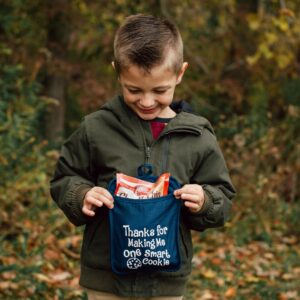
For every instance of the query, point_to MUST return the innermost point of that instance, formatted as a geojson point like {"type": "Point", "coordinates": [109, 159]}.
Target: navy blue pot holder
{"type": "Point", "coordinates": [144, 234]}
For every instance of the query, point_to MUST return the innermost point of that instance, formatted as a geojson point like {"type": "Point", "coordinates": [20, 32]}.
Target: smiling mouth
{"type": "Point", "coordinates": [147, 111]}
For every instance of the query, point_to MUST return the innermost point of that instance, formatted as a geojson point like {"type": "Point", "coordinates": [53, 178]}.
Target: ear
{"type": "Point", "coordinates": [181, 72]}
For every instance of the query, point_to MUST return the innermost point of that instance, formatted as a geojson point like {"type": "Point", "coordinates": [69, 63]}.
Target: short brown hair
{"type": "Point", "coordinates": [145, 41]}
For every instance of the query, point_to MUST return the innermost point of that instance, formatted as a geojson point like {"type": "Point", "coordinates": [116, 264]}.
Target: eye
{"type": "Point", "coordinates": [159, 91]}
{"type": "Point", "coordinates": [133, 91]}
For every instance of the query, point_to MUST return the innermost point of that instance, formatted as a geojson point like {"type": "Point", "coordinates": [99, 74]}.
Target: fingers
{"type": "Point", "coordinates": [103, 191]}
{"type": "Point", "coordinates": [191, 192]}
{"type": "Point", "coordinates": [193, 196]}
{"type": "Point", "coordinates": [190, 197]}
{"type": "Point", "coordinates": [96, 197]}
{"type": "Point", "coordinates": [88, 211]}
{"type": "Point", "coordinates": [195, 207]}
{"type": "Point", "coordinates": [100, 196]}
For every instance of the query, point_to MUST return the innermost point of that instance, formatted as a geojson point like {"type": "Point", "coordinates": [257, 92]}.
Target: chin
{"type": "Point", "coordinates": [147, 117]}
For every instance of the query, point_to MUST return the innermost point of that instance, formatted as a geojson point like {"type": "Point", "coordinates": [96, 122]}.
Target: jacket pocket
{"type": "Point", "coordinates": [95, 247]}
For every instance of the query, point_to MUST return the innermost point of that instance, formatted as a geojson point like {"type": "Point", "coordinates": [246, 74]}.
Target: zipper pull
{"type": "Point", "coordinates": [148, 153]}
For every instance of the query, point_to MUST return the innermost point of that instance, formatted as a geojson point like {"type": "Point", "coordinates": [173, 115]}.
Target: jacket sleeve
{"type": "Point", "coordinates": [72, 178]}
{"type": "Point", "coordinates": [212, 174]}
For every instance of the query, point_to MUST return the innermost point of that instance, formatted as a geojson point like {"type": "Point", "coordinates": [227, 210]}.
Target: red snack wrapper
{"type": "Point", "coordinates": [134, 188]}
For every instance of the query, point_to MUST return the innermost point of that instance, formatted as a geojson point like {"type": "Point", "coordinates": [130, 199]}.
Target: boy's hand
{"type": "Point", "coordinates": [96, 197]}
{"type": "Point", "coordinates": [192, 195]}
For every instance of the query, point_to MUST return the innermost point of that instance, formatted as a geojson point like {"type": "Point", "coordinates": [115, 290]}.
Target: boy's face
{"type": "Point", "coordinates": [150, 94]}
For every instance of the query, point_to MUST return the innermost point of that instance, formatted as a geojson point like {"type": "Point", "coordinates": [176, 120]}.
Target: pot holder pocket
{"type": "Point", "coordinates": [144, 234]}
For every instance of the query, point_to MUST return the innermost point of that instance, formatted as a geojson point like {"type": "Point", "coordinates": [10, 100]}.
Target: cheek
{"type": "Point", "coordinates": [129, 98]}
{"type": "Point", "coordinates": [167, 98]}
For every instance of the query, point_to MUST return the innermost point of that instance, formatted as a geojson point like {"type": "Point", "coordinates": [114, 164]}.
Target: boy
{"type": "Point", "coordinates": [141, 126]}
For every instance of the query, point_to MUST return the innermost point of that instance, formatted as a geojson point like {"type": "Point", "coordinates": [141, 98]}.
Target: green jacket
{"type": "Point", "coordinates": [114, 139]}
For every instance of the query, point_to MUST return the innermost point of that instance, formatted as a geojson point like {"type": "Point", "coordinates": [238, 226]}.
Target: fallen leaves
{"type": "Point", "coordinates": [207, 295]}
{"type": "Point", "coordinates": [9, 275]}
{"type": "Point", "coordinates": [289, 295]}
{"type": "Point", "coordinates": [208, 273]}
{"type": "Point", "coordinates": [55, 277]}
{"type": "Point", "coordinates": [4, 285]}
{"type": "Point", "coordinates": [256, 270]}
{"type": "Point", "coordinates": [251, 278]}
{"type": "Point", "coordinates": [230, 292]}
{"type": "Point", "coordinates": [38, 260]}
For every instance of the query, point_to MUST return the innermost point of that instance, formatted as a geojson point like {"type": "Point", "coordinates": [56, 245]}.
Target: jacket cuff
{"type": "Point", "coordinates": [77, 217]}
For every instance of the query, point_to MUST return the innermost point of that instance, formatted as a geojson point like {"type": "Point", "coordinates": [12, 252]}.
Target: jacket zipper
{"type": "Point", "coordinates": [167, 133]}
{"type": "Point", "coordinates": [148, 153]}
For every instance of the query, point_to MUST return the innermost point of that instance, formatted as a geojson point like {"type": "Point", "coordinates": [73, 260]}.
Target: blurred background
{"type": "Point", "coordinates": [243, 75]}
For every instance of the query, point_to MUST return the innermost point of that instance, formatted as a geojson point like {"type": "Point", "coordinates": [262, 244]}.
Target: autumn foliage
{"type": "Point", "coordinates": [243, 75]}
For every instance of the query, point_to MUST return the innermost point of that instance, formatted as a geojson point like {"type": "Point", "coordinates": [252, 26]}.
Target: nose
{"type": "Point", "coordinates": [147, 101]}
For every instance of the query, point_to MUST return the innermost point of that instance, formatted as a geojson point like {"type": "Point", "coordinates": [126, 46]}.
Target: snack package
{"type": "Point", "coordinates": [134, 188]}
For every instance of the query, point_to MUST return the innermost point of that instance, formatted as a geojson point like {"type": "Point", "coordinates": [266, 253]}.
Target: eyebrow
{"type": "Point", "coordinates": [155, 88]}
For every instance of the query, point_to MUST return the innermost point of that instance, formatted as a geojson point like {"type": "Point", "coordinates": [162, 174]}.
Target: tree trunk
{"type": "Point", "coordinates": [55, 117]}
{"type": "Point", "coordinates": [56, 80]}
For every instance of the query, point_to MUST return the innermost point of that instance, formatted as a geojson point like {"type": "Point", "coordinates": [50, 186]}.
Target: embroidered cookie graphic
{"type": "Point", "coordinates": [133, 263]}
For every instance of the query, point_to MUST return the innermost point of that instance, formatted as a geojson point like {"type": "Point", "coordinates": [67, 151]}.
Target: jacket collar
{"type": "Point", "coordinates": [184, 120]}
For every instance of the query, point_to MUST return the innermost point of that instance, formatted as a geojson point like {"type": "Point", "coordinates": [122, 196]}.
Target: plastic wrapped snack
{"type": "Point", "coordinates": [134, 188]}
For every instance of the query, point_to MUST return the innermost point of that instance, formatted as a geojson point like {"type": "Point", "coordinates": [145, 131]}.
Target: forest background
{"type": "Point", "coordinates": [244, 63]}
